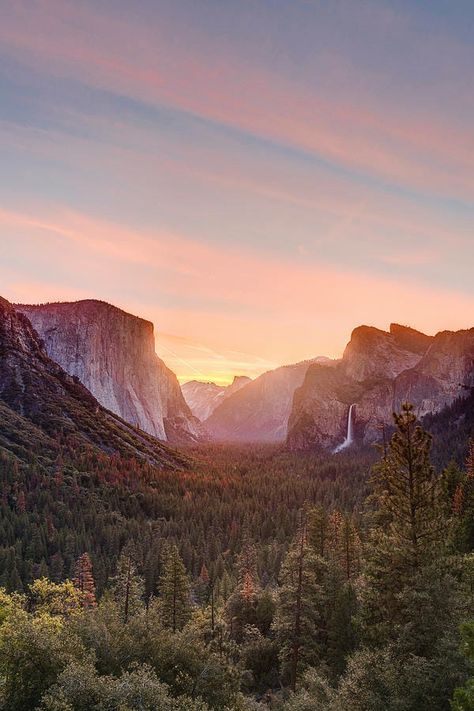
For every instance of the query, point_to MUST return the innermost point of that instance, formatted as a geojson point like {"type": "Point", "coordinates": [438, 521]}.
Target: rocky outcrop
{"type": "Point", "coordinates": [380, 370]}
{"type": "Point", "coordinates": [203, 398]}
{"type": "Point", "coordinates": [444, 373]}
{"type": "Point", "coordinates": [372, 353]}
{"type": "Point", "coordinates": [260, 410]}
{"type": "Point", "coordinates": [40, 402]}
{"type": "Point", "coordinates": [113, 354]}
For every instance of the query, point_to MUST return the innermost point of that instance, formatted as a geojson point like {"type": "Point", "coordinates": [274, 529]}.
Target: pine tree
{"type": "Point", "coordinates": [407, 532]}
{"type": "Point", "coordinates": [84, 580]}
{"type": "Point", "coordinates": [407, 492]}
{"type": "Point", "coordinates": [202, 587]}
{"type": "Point", "coordinates": [318, 530]}
{"type": "Point", "coordinates": [342, 636]}
{"type": "Point", "coordinates": [349, 547]}
{"type": "Point", "coordinates": [299, 616]}
{"type": "Point", "coordinates": [175, 603]}
{"type": "Point", "coordinates": [248, 582]}
{"type": "Point", "coordinates": [127, 585]}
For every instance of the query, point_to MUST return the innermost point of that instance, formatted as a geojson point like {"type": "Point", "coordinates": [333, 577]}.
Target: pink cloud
{"type": "Point", "coordinates": [274, 310]}
{"type": "Point", "coordinates": [415, 149]}
{"type": "Point", "coordinates": [332, 207]}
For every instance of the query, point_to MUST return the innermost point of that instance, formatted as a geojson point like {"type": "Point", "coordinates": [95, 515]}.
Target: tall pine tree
{"type": "Point", "coordinates": [299, 623]}
{"type": "Point", "coordinates": [127, 585]}
{"type": "Point", "coordinates": [406, 541]}
{"type": "Point", "coordinates": [175, 600]}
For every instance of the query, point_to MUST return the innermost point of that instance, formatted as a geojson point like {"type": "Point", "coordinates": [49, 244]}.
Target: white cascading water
{"type": "Point", "coordinates": [350, 433]}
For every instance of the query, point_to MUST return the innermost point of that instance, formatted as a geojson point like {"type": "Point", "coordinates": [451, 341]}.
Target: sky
{"type": "Point", "coordinates": [256, 177]}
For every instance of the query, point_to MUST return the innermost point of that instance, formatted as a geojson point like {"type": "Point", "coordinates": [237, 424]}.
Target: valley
{"type": "Point", "coordinates": [192, 540]}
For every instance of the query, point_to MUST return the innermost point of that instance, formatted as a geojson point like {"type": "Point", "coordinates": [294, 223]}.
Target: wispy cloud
{"type": "Point", "coordinates": [256, 197]}
{"type": "Point", "coordinates": [280, 310]}
{"type": "Point", "coordinates": [416, 149]}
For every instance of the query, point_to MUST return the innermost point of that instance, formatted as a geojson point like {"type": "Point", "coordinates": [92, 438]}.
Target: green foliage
{"type": "Point", "coordinates": [407, 531]}
{"type": "Point", "coordinates": [34, 650]}
{"type": "Point", "coordinates": [56, 599]}
{"type": "Point", "coordinates": [387, 679]}
{"type": "Point", "coordinates": [201, 596]}
{"type": "Point", "coordinates": [299, 622]}
{"type": "Point", "coordinates": [342, 631]}
{"type": "Point", "coordinates": [175, 603]}
{"type": "Point", "coordinates": [83, 500]}
{"type": "Point", "coordinates": [463, 699]}
{"type": "Point", "coordinates": [79, 688]}
{"type": "Point", "coordinates": [315, 694]}
{"type": "Point", "coordinates": [127, 585]}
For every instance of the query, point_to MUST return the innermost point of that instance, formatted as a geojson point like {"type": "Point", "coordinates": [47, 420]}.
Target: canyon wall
{"type": "Point", "coordinates": [113, 354]}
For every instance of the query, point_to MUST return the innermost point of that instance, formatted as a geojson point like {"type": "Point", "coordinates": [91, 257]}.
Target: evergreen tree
{"type": "Point", "coordinates": [318, 530]}
{"type": "Point", "coordinates": [84, 580]}
{"type": "Point", "coordinates": [342, 635]}
{"type": "Point", "coordinates": [299, 614]}
{"type": "Point", "coordinates": [407, 526]}
{"type": "Point", "coordinates": [407, 492]}
{"type": "Point", "coordinates": [174, 590]}
{"type": "Point", "coordinates": [248, 582]}
{"type": "Point", "coordinates": [349, 547]}
{"type": "Point", "coordinates": [127, 585]}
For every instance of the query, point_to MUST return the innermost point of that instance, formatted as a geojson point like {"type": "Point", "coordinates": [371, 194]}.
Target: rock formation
{"type": "Point", "coordinates": [41, 406]}
{"type": "Point", "coordinates": [380, 370]}
{"type": "Point", "coordinates": [113, 354]}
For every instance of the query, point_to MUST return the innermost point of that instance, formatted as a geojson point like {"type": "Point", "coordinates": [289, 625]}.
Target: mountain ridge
{"type": "Point", "coordinates": [259, 411]}
{"type": "Point", "coordinates": [203, 397]}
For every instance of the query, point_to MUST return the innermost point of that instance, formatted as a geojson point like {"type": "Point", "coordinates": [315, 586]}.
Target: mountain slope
{"type": "Point", "coordinates": [260, 410]}
{"type": "Point", "coordinates": [203, 398]}
{"type": "Point", "coordinates": [42, 405]}
{"type": "Point", "coordinates": [113, 355]}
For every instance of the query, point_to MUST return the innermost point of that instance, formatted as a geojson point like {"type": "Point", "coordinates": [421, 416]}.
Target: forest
{"type": "Point", "coordinates": [252, 578]}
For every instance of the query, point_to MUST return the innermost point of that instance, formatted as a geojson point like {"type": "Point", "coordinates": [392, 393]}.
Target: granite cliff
{"type": "Point", "coordinates": [44, 409]}
{"type": "Point", "coordinates": [380, 370]}
{"type": "Point", "coordinates": [113, 354]}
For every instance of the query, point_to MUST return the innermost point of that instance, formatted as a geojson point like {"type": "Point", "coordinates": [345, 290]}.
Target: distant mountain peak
{"type": "Point", "coordinates": [203, 397]}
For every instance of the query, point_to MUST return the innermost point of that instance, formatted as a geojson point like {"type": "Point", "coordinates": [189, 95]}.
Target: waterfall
{"type": "Point", "coordinates": [350, 432]}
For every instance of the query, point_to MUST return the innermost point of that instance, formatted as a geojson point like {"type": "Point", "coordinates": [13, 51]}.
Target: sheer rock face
{"type": "Point", "coordinates": [113, 354]}
{"type": "Point", "coordinates": [203, 398]}
{"type": "Point", "coordinates": [39, 400]}
{"type": "Point", "coordinates": [444, 373]}
{"type": "Point", "coordinates": [372, 353]}
{"type": "Point", "coordinates": [259, 411]}
{"type": "Point", "coordinates": [379, 371]}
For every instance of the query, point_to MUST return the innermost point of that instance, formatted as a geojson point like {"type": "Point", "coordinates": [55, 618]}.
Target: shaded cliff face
{"type": "Point", "coordinates": [203, 398]}
{"type": "Point", "coordinates": [444, 373]}
{"type": "Point", "coordinates": [113, 354]}
{"type": "Point", "coordinates": [40, 402]}
{"type": "Point", "coordinates": [260, 410]}
{"type": "Point", "coordinates": [378, 372]}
